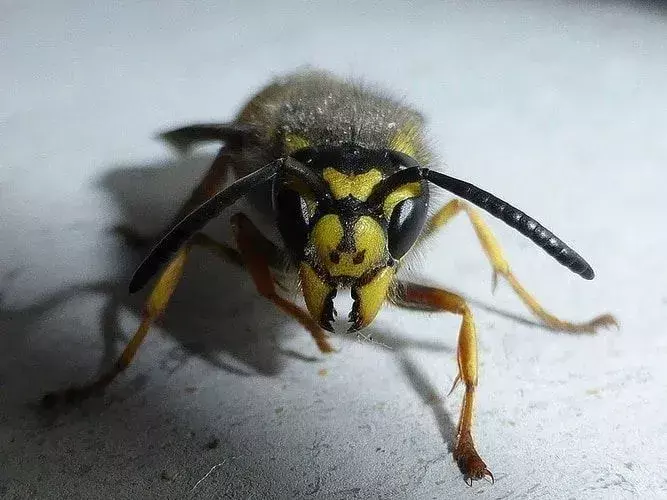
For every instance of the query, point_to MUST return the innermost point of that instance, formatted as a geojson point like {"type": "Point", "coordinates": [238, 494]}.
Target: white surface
{"type": "Point", "coordinates": [560, 109]}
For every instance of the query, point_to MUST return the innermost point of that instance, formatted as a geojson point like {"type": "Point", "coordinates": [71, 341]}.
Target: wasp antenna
{"type": "Point", "coordinates": [515, 218]}
{"type": "Point", "coordinates": [200, 216]}
{"type": "Point", "coordinates": [195, 220]}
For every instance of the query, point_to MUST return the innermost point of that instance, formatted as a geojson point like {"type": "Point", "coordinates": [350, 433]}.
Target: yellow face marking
{"type": "Point", "coordinates": [372, 295]}
{"type": "Point", "coordinates": [369, 241]}
{"type": "Point", "coordinates": [294, 142]}
{"type": "Point", "coordinates": [326, 236]}
{"type": "Point", "coordinates": [315, 291]}
{"type": "Point", "coordinates": [406, 139]}
{"type": "Point", "coordinates": [410, 190]}
{"type": "Point", "coordinates": [359, 186]}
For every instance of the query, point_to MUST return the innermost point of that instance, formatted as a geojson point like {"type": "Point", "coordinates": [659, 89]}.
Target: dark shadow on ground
{"type": "Point", "coordinates": [215, 314]}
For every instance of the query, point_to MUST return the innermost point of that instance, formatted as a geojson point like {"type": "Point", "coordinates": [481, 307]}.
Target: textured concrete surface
{"type": "Point", "coordinates": [559, 107]}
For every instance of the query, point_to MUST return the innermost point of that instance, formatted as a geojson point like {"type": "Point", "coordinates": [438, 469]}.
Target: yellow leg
{"type": "Point", "coordinates": [501, 267]}
{"type": "Point", "coordinates": [412, 296]}
{"type": "Point", "coordinates": [155, 305]}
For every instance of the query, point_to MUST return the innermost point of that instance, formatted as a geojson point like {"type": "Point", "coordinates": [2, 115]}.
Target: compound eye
{"type": "Point", "coordinates": [294, 214]}
{"type": "Point", "coordinates": [406, 224]}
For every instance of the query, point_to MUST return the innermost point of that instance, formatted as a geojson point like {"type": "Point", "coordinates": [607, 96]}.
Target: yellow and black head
{"type": "Point", "coordinates": [350, 227]}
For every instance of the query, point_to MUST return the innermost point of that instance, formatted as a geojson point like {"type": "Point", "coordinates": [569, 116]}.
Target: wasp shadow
{"type": "Point", "coordinates": [215, 313]}
{"type": "Point", "coordinates": [215, 310]}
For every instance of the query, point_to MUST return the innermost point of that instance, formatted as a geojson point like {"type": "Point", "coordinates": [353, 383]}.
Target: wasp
{"type": "Point", "coordinates": [343, 172]}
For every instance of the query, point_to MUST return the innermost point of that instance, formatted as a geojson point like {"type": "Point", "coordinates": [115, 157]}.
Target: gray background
{"type": "Point", "coordinates": [559, 107]}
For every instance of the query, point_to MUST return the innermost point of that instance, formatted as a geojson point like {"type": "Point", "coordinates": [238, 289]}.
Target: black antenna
{"type": "Point", "coordinates": [510, 215]}
{"type": "Point", "coordinates": [200, 216]}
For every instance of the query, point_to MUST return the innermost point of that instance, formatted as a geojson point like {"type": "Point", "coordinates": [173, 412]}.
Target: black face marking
{"type": "Point", "coordinates": [334, 257]}
{"type": "Point", "coordinates": [359, 258]}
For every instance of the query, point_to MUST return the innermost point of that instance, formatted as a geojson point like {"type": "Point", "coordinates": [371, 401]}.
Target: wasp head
{"type": "Point", "coordinates": [348, 227]}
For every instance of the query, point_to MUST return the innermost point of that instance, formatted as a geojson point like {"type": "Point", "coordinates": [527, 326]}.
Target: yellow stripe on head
{"type": "Point", "coordinates": [369, 238]}
{"type": "Point", "coordinates": [410, 190]}
{"type": "Point", "coordinates": [327, 235]}
{"type": "Point", "coordinates": [359, 186]}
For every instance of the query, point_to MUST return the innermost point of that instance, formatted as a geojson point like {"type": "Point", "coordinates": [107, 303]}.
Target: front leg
{"type": "Point", "coordinates": [413, 296]}
{"type": "Point", "coordinates": [255, 250]}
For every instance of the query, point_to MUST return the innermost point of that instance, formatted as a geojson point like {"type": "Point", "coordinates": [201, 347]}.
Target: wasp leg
{"type": "Point", "coordinates": [250, 243]}
{"type": "Point", "coordinates": [155, 306]}
{"type": "Point", "coordinates": [413, 296]}
{"type": "Point", "coordinates": [501, 267]}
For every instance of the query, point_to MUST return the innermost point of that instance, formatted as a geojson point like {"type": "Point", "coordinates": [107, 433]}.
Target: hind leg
{"type": "Point", "coordinates": [155, 305]}
{"type": "Point", "coordinates": [501, 267]}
